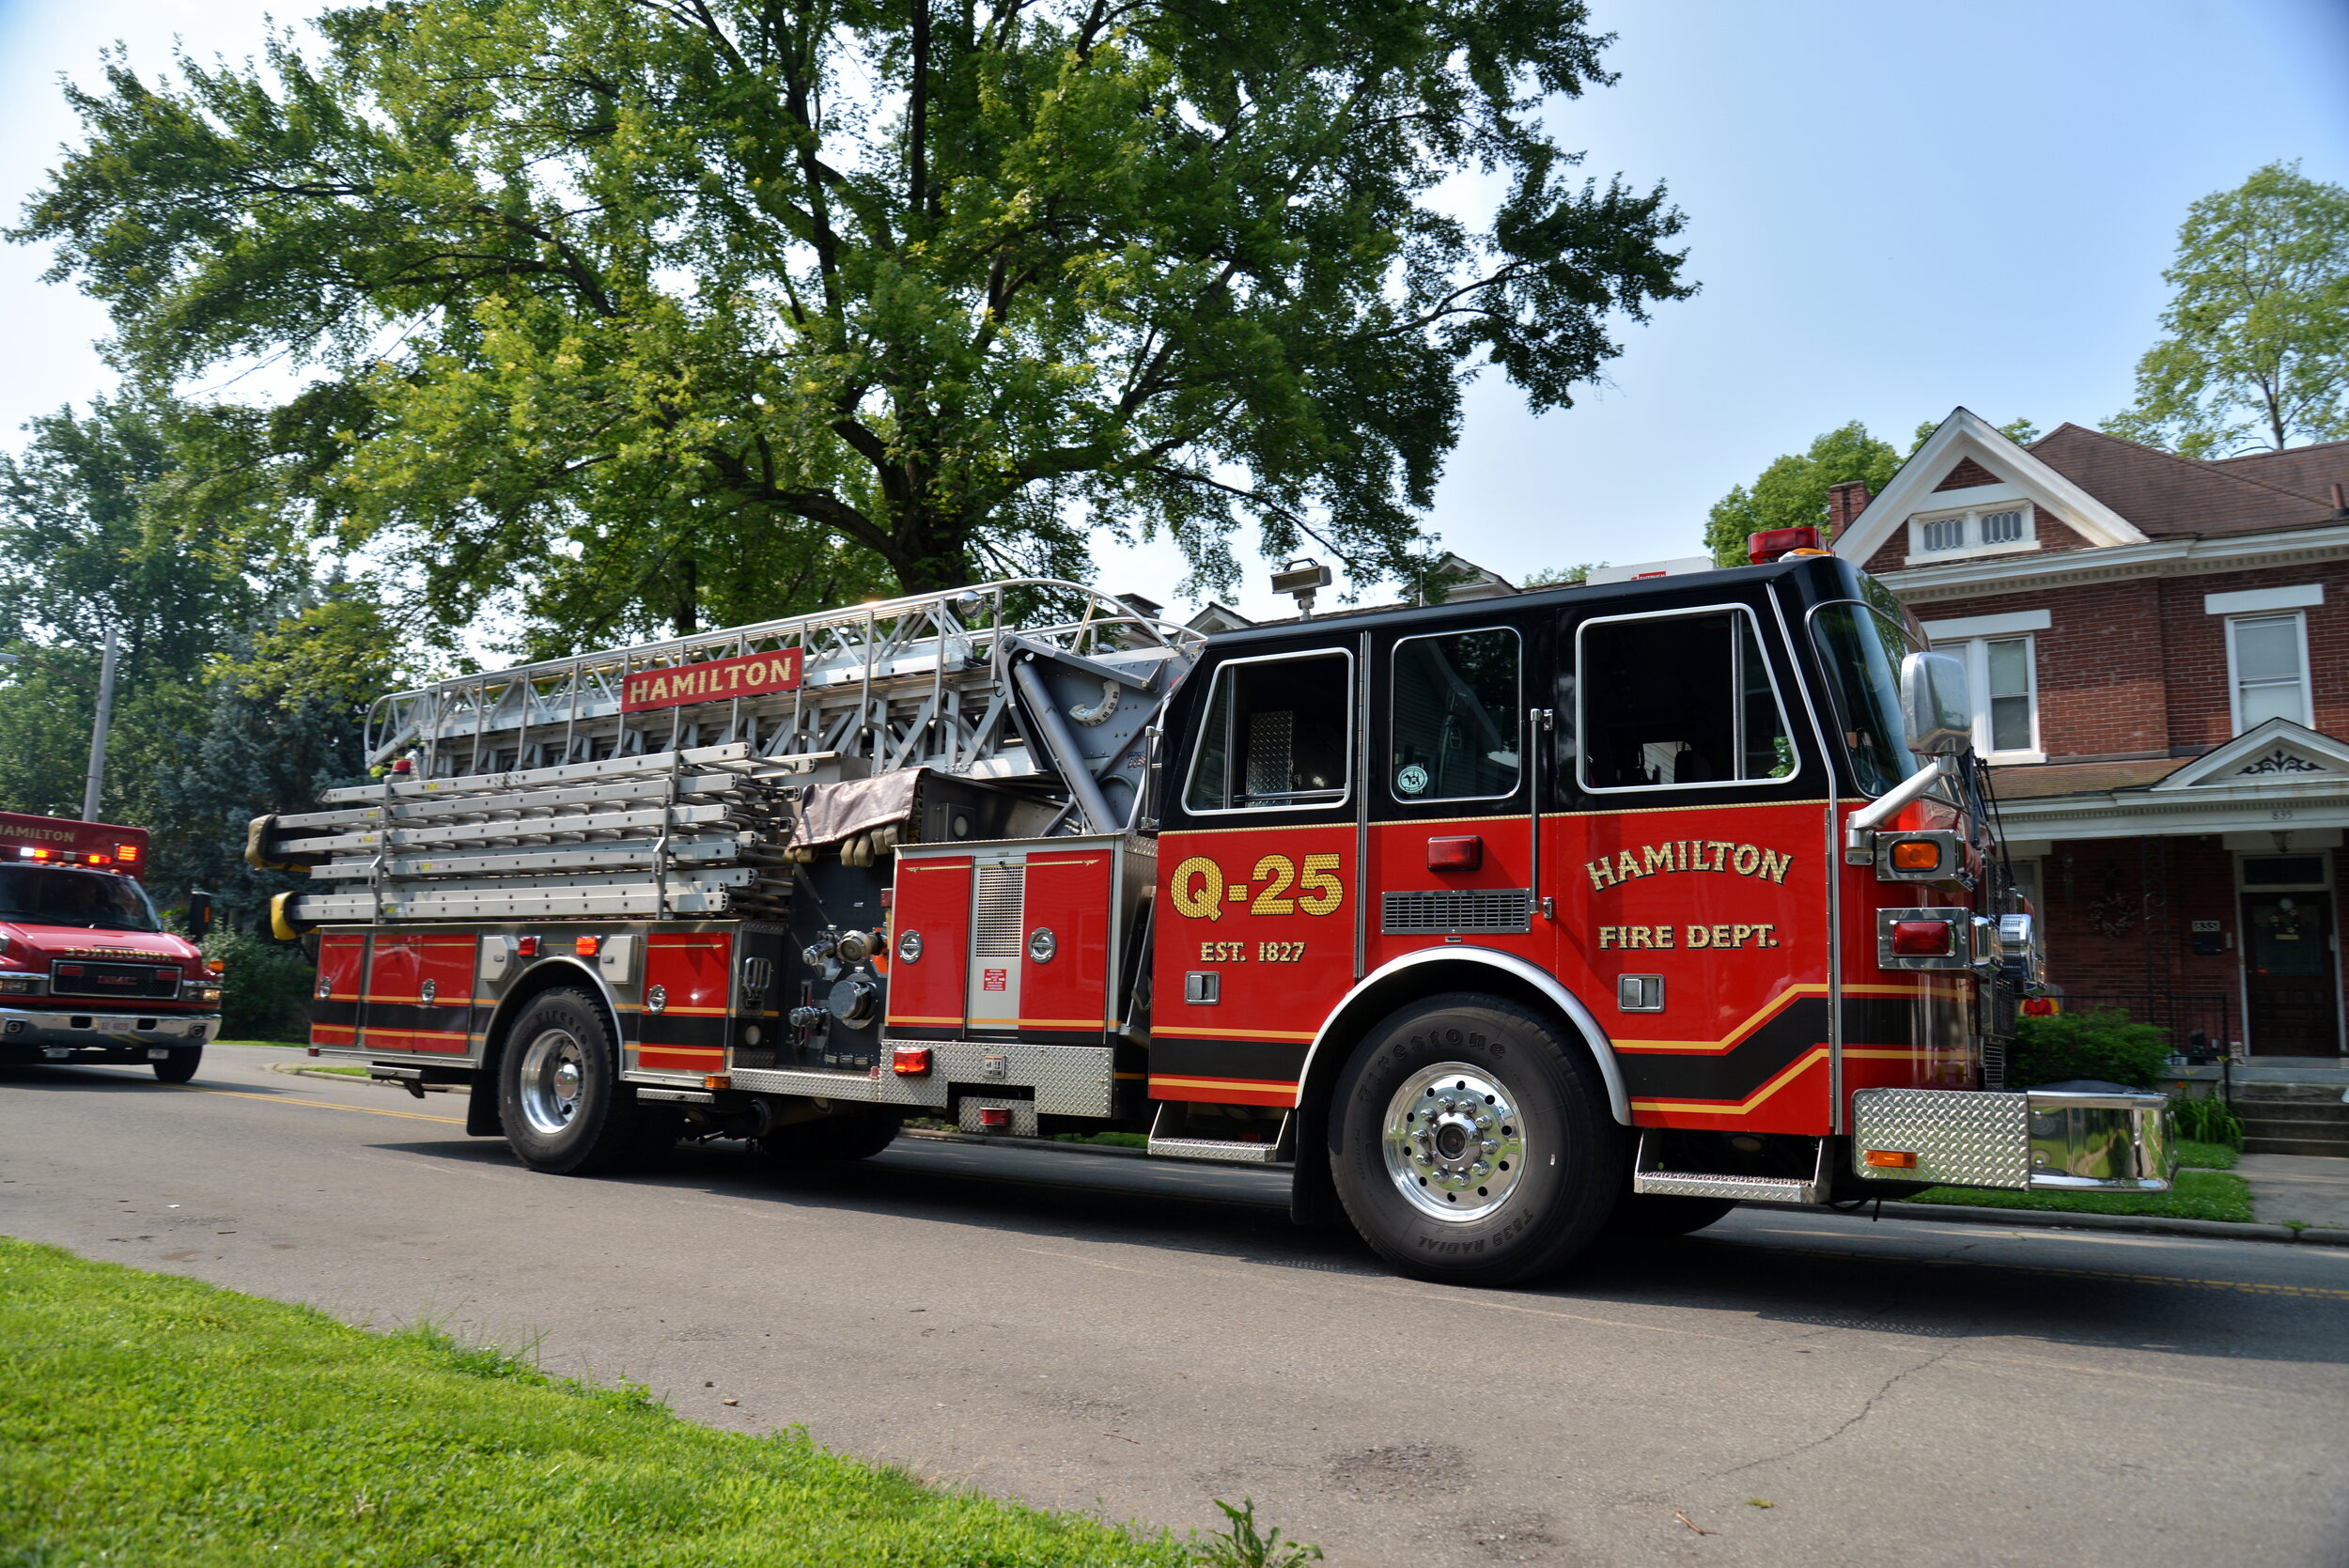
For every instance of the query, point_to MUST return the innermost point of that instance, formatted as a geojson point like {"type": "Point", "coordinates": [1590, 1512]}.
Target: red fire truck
{"type": "Point", "coordinates": [1496, 924]}
{"type": "Point", "coordinates": [87, 973]}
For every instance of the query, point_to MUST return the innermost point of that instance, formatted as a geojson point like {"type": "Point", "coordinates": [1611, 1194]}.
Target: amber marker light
{"type": "Point", "coordinates": [586, 946]}
{"type": "Point", "coordinates": [910, 1061]}
{"type": "Point", "coordinates": [1916, 854]}
{"type": "Point", "coordinates": [716, 1080]}
{"type": "Point", "coordinates": [1892, 1160]}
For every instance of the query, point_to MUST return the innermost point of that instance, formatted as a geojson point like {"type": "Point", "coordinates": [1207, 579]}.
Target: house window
{"type": "Point", "coordinates": [2005, 525]}
{"type": "Point", "coordinates": [2268, 660]}
{"type": "Point", "coordinates": [2001, 674]}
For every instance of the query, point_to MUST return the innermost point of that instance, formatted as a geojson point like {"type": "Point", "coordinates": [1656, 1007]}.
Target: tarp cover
{"type": "Point", "coordinates": [832, 811]}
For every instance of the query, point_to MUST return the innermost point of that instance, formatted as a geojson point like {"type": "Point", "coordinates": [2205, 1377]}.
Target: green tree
{"type": "Point", "coordinates": [1792, 491]}
{"type": "Point", "coordinates": [76, 559]}
{"type": "Point", "coordinates": [626, 314]}
{"type": "Point", "coordinates": [2255, 354]}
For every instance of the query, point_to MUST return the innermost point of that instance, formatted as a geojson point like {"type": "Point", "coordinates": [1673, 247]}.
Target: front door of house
{"type": "Point", "coordinates": [2289, 973]}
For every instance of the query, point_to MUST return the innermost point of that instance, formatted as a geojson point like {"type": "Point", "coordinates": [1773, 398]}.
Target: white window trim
{"type": "Point", "coordinates": [1394, 684]}
{"type": "Point", "coordinates": [1583, 688]}
{"type": "Point", "coordinates": [1975, 651]}
{"type": "Point", "coordinates": [1988, 625]}
{"type": "Point", "coordinates": [2234, 684]}
{"type": "Point", "coordinates": [1199, 747]}
{"type": "Point", "coordinates": [1972, 512]}
{"type": "Point", "coordinates": [2305, 595]}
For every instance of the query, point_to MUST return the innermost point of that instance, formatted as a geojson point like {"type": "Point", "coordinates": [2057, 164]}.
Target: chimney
{"type": "Point", "coordinates": [1845, 502]}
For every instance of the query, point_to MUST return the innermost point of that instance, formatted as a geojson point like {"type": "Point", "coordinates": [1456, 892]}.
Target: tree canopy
{"type": "Point", "coordinates": [634, 314]}
{"type": "Point", "coordinates": [1792, 491]}
{"type": "Point", "coordinates": [2255, 351]}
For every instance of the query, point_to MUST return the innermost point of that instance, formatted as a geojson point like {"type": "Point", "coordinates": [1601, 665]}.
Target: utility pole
{"type": "Point", "coordinates": [97, 732]}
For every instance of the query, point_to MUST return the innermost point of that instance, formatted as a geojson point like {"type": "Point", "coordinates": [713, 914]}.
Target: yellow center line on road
{"type": "Point", "coordinates": [329, 1105]}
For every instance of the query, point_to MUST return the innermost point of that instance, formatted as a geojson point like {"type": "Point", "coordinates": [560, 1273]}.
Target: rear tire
{"type": "Point", "coordinates": [857, 1134]}
{"type": "Point", "coordinates": [1474, 1144]}
{"type": "Point", "coordinates": [180, 1064]}
{"type": "Point", "coordinates": [559, 1091]}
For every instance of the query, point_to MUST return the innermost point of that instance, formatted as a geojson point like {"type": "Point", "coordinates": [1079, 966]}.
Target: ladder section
{"type": "Point", "coordinates": [699, 832]}
{"type": "Point", "coordinates": [926, 681]}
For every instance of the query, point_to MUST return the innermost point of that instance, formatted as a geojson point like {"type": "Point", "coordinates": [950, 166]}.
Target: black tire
{"type": "Point", "coordinates": [1651, 1216]}
{"type": "Point", "coordinates": [180, 1064]}
{"type": "Point", "coordinates": [1546, 1103]}
{"type": "Point", "coordinates": [857, 1134]}
{"type": "Point", "coordinates": [573, 1124]}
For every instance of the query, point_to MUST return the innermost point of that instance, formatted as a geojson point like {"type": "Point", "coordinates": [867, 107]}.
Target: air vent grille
{"type": "Point", "coordinates": [999, 916]}
{"type": "Point", "coordinates": [1444, 912]}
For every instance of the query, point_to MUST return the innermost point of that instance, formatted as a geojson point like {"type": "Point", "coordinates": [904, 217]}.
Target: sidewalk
{"type": "Point", "coordinates": [2305, 1189]}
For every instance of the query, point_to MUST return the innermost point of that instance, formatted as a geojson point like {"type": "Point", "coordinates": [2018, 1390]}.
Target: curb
{"type": "Point", "coordinates": [1966, 1214]}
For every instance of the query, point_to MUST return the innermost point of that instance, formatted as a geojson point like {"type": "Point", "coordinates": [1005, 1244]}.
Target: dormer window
{"type": "Point", "coordinates": [1992, 527]}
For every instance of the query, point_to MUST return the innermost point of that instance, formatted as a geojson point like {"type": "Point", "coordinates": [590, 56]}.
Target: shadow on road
{"type": "Point", "coordinates": [1899, 1279]}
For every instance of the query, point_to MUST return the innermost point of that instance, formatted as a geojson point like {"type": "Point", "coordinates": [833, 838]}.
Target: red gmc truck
{"type": "Point", "coordinates": [87, 973]}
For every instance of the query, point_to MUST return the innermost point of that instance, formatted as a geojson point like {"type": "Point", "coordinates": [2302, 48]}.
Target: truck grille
{"type": "Point", "coordinates": [1445, 910]}
{"type": "Point", "coordinates": [111, 980]}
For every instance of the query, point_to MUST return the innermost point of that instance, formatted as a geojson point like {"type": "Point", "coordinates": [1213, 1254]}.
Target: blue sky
{"type": "Point", "coordinates": [1893, 209]}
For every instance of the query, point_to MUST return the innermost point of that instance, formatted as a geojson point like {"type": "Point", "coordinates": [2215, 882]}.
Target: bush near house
{"type": "Point", "coordinates": [264, 989]}
{"type": "Point", "coordinates": [2102, 1043]}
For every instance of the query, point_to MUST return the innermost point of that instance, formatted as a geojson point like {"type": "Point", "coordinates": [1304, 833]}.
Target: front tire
{"type": "Point", "coordinates": [559, 1091]}
{"type": "Point", "coordinates": [1474, 1144]}
{"type": "Point", "coordinates": [180, 1064]}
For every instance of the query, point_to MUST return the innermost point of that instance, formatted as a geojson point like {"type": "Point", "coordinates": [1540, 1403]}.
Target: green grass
{"type": "Point", "coordinates": [339, 1072]}
{"type": "Point", "coordinates": [2196, 1195]}
{"type": "Point", "coordinates": [155, 1420]}
{"type": "Point", "coordinates": [1113, 1140]}
{"type": "Point", "coordinates": [2208, 1156]}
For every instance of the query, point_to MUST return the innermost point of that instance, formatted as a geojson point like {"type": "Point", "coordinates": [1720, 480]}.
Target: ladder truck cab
{"type": "Point", "coordinates": [87, 973]}
{"type": "Point", "coordinates": [1497, 925]}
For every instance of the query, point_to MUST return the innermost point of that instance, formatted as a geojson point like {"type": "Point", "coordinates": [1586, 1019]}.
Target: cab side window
{"type": "Point", "coordinates": [1678, 700]}
{"type": "Point", "coordinates": [1275, 733]}
{"type": "Point", "coordinates": [1456, 712]}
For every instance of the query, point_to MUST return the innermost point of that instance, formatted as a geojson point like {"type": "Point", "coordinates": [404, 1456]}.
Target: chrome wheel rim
{"type": "Point", "coordinates": [1455, 1142]}
{"type": "Point", "coordinates": [555, 1070]}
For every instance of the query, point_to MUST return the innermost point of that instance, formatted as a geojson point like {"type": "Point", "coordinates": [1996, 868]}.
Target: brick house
{"type": "Point", "coordinates": [2159, 653]}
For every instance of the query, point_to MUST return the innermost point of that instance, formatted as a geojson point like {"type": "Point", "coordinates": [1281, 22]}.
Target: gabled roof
{"type": "Point", "coordinates": [1966, 434]}
{"type": "Point", "coordinates": [2167, 496]}
{"type": "Point", "coordinates": [2278, 752]}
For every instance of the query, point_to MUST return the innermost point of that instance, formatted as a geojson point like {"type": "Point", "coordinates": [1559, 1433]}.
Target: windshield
{"type": "Point", "coordinates": [1862, 646]}
{"type": "Point", "coordinates": [52, 895]}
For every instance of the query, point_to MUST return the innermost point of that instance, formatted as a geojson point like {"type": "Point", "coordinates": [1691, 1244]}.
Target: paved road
{"type": "Point", "coordinates": [1081, 1329]}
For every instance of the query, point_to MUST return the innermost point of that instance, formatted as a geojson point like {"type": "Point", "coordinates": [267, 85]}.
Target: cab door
{"type": "Point", "coordinates": [1451, 790]}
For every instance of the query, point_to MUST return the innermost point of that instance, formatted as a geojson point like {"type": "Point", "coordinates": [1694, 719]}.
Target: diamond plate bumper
{"type": "Point", "coordinates": [1069, 1080]}
{"type": "Point", "coordinates": [2039, 1140]}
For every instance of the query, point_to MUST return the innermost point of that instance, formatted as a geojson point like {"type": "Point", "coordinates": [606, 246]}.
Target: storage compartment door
{"type": "Point", "coordinates": [929, 918]}
{"type": "Point", "coordinates": [419, 994]}
{"type": "Point", "coordinates": [998, 934]}
{"type": "Point", "coordinates": [686, 1008]}
{"type": "Point", "coordinates": [1066, 963]}
{"type": "Point", "coordinates": [334, 994]}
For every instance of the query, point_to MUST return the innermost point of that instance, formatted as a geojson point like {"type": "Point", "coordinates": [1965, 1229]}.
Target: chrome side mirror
{"type": "Point", "coordinates": [1935, 709]}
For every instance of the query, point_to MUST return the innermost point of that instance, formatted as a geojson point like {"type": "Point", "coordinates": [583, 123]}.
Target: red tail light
{"type": "Point", "coordinates": [526, 946]}
{"type": "Point", "coordinates": [1923, 939]}
{"type": "Point", "coordinates": [994, 1116]}
{"type": "Point", "coordinates": [910, 1061]}
{"type": "Point", "coordinates": [1456, 854]}
{"type": "Point", "coordinates": [127, 853]}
